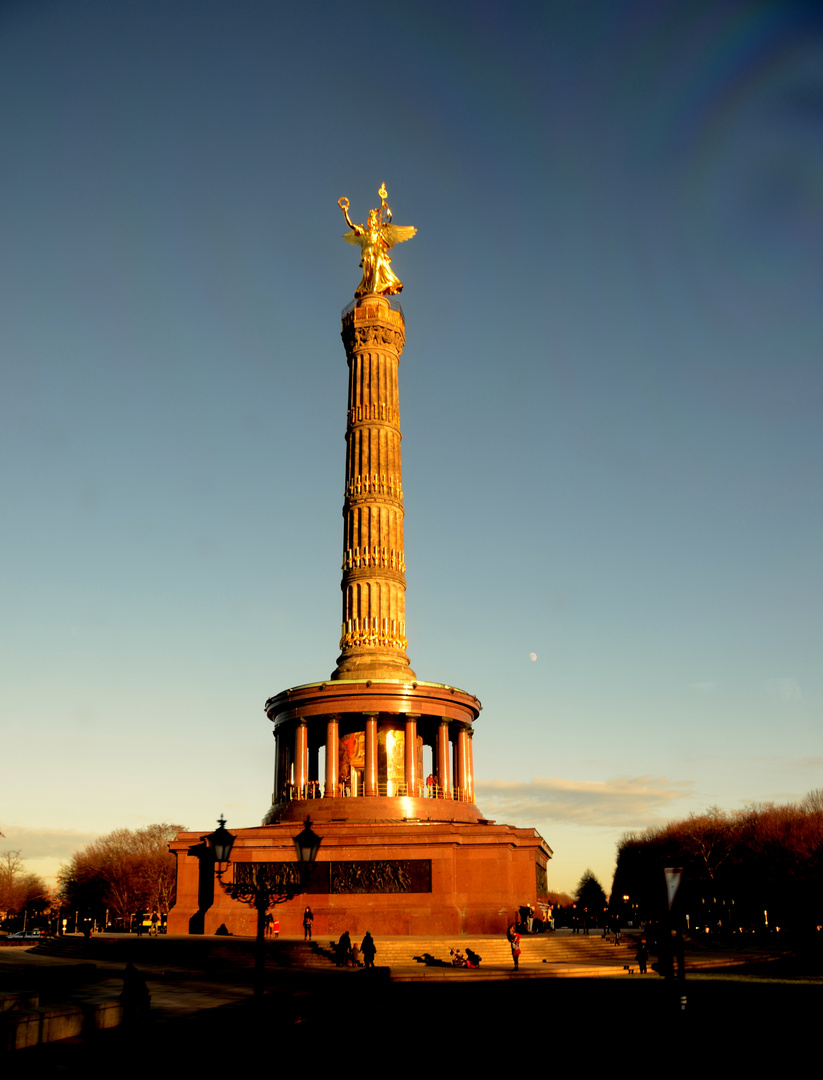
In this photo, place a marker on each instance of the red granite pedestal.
(449, 877)
(399, 855)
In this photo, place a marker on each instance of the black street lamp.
(221, 842)
(307, 844)
(262, 885)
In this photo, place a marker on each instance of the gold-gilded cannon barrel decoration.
(375, 238)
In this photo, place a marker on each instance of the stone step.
(206, 953)
(401, 952)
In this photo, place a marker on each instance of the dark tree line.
(753, 869)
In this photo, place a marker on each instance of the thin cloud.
(628, 802)
(44, 843)
(703, 687)
(786, 689)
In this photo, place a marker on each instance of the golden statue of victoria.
(375, 238)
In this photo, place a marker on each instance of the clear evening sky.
(610, 397)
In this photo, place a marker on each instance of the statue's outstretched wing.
(396, 234)
(351, 237)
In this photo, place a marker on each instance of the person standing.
(135, 996)
(515, 944)
(642, 957)
(308, 919)
(342, 950)
(368, 950)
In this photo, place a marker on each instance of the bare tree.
(19, 889)
(125, 871)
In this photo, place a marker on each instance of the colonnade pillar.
(278, 779)
(332, 755)
(443, 770)
(371, 754)
(301, 755)
(470, 765)
(411, 753)
(461, 760)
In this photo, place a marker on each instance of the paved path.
(198, 983)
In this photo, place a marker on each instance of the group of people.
(530, 921)
(470, 960)
(348, 954)
(155, 923)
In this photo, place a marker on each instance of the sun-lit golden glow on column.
(332, 755)
(370, 764)
(301, 755)
(410, 766)
(461, 754)
(443, 756)
(373, 631)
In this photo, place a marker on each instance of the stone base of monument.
(395, 877)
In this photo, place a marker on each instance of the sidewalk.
(200, 985)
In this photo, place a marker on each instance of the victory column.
(403, 852)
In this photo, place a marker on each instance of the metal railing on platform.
(394, 304)
(393, 788)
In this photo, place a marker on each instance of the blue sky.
(610, 396)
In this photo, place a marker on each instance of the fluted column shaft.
(373, 637)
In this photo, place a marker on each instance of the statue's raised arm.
(343, 203)
(375, 238)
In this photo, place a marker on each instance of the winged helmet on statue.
(375, 238)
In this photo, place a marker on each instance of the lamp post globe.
(221, 842)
